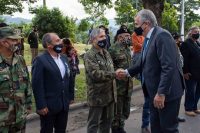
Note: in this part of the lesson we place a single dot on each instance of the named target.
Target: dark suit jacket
(160, 66)
(49, 88)
(191, 55)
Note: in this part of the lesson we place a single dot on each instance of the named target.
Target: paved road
(77, 119)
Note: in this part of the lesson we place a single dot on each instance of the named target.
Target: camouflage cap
(8, 32)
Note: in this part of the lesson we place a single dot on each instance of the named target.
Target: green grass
(80, 85)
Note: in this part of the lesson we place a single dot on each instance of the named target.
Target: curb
(72, 107)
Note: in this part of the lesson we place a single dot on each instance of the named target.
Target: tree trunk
(156, 6)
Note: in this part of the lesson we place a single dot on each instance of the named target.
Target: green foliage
(96, 9)
(170, 18)
(11, 6)
(2, 20)
(84, 25)
(125, 12)
(53, 21)
(196, 24)
(191, 6)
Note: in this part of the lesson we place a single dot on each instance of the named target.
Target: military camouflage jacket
(15, 91)
(121, 56)
(100, 78)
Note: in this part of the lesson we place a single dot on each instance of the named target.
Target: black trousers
(165, 120)
(56, 122)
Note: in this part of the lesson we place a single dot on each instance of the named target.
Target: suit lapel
(149, 43)
(52, 62)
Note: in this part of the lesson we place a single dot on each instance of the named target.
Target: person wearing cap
(15, 88)
(121, 56)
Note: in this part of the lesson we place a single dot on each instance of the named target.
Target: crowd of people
(166, 66)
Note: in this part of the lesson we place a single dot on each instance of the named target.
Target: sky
(70, 8)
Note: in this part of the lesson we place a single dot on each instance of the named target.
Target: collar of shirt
(60, 64)
(149, 33)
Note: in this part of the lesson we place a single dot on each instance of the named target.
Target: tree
(11, 6)
(53, 21)
(156, 6)
(191, 6)
(96, 9)
(170, 18)
(125, 15)
(84, 25)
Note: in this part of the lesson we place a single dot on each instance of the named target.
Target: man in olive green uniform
(15, 92)
(101, 86)
(121, 55)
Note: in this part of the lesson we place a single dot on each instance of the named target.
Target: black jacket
(49, 88)
(33, 40)
(191, 54)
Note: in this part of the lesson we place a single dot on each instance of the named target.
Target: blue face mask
(58, 48)
(102, 43)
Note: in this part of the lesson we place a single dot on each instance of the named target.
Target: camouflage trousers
(16, 128)
(34, 52)
(100, 119)
(122, 111)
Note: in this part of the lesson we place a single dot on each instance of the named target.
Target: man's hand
(120, 73)
(187, 76)
(43, 111)
(159, 101)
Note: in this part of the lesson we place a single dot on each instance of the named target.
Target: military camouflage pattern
(100, 78)
(121, 55)
(15, 92)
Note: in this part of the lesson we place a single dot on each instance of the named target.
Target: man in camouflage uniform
(101, 86)
(121, 55)
(15, 92)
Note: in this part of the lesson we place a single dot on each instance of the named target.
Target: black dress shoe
(180, 119)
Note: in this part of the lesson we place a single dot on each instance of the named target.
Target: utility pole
(136, 4)
(182, 19)
(44, 3)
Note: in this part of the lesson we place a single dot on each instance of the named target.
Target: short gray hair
(190, 31)
(95, 32)
(145, 15)
(46, 39)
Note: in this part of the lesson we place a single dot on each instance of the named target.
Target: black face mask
(102, 43)
(195, 36)
(138, 31)
(58, 48)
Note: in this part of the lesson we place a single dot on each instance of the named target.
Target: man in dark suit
(51, 86)
(190, 50)
(162, 79)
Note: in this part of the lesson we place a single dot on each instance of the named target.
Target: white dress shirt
(60, 65)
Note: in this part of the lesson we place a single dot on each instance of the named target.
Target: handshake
(120, 74)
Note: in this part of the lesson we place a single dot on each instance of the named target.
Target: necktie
(145, 46)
